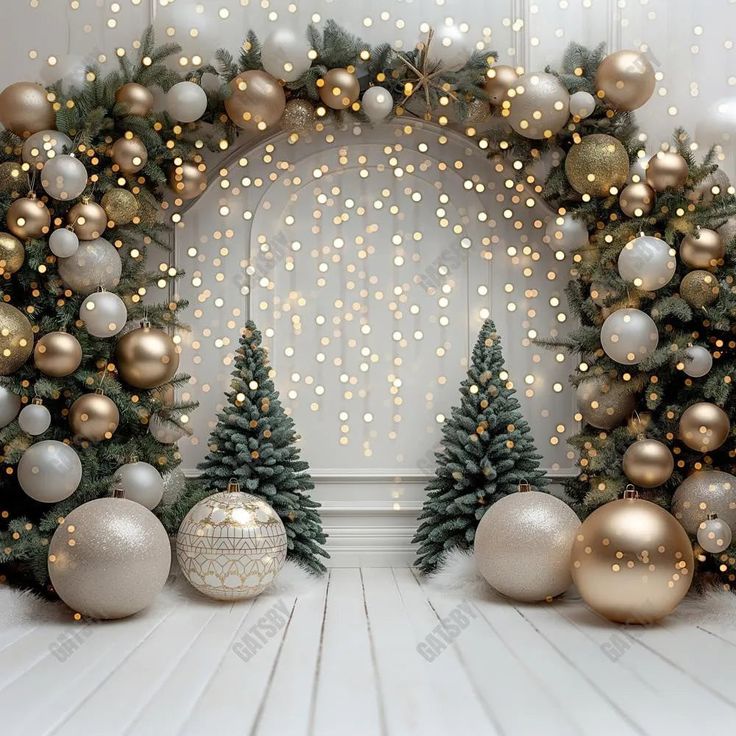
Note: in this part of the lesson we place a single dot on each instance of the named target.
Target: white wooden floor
(343, 659)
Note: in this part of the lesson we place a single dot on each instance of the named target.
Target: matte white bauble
(377, 103)
(714, 535)
(697, 361)
(63, 242)
(64, 177)
(582, 104)
(186, 102)
(628, 336)
(285, 54)
(49, 471)
(141, 483)
(647, 262)
(40, 147)
(450, 48)
(565, 233)
(9, 406)
(34, 419)
(104, 314)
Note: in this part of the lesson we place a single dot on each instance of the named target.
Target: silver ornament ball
(63, 243)
(702, 493)
(64, 177)
(697, 361)
(186, 102)
(104, 314)
(140, 482)
(44, 145)
(647, 262)
(49, 471)
(714, 535)
(9, 406)
(285, 54)
(377, 103)
(34, 419)
(628, 336)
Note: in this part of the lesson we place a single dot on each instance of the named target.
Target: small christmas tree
(255, 442)
(487, 450)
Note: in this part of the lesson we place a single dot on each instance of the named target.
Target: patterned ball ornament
(94, 417)
(49, 471)
(540, 106)
(339, 89)
(110, 558)
(231, 545)
(28, 217)
(88, 219)
(12, 254)
(667, 170)
(597, 164)
(523, 544)
(702, 493)
(628, 336)
(146, 357)
(631, 561)
(704, 249)
(714, 535)
(95, 264)
(16, 339)
(647, 262)
(699, 289)
(637, 199)
(625, 79)
(605, 403)
(129, 153)
(704, 427)
(120, 205)
(57, 354)
(648, 463)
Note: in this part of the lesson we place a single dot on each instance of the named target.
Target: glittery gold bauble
(146, 357)
(539, 107)
(648, 463)
(299, 115)
(129, 153)
(596, 164)
(704, 427)
(13, 180)
(88, 220)
(637, 199)
(256, 100)
(667, 170)
(16, 339)
(699, 289)
(25, 109)
(702, 493)
(57, 354)
(94, 417)
(626, 79)
(340, 89)
(499, 80)
(109, 559)
(231, 545)
(120, 205)
(702, 249)
(134, 99)
(188, 180)
(28, 217)
(477, 111)
(12, 254)
(604, 403)
(632, 562)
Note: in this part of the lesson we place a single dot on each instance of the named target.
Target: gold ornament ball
(12, 254)
(120, 206)
(704, 427)
(539, 107)
(299, 115)
(88, 219)
(699, 289)
(25, 109)
(632, 562)
(188, 180)
(16, 339)
(596, 164)
(339, 89)
(636, 199)
(667, 170)
(604, 403)
(57, 354)
(134, 99)
(648, 463)
(94, 417)
(146, 357)
(129, 153)
(477, 111)
(499, 80)
(13, 180)
(703, 249)
(28, 217)
(626, 79)
(702, 493)
(257, 100)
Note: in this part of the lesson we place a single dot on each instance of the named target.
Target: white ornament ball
(231, 545)
(174, 484)
(104, 314)
(40, 147)
(647, 262)
(186, 102)
(64, 177)
(9, 406)
(628, 336)
(377, 103)
(450, 48)
(714, 535)
(164, 431)
(697, 361)
(565, 233)
(140, 482)
(119, 560)
(63, 242)
(523, 545)
(582, 104)
(96, 263)
(34, 419)
(285, 54)
(540, 106)
(49, 471)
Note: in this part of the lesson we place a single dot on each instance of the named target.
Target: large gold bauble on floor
(13, 180)
(704, 427)
(57, 354)
(667, 170)
(626, 79)
(703, 249)
(256, 100)
(596, 164)
(12, 254)
(540, 106)
(134, 99)
(28, 217)
(120, 206)
(88, 219)
(109, 559)
(632, 562)
(146, 357)
(129, 153)
(94, 417)
(299, 115)
(702, 493)
(604, 403)
(25, 109)
(231, 545)
(499, 80)
(699, 289)
(188, 180)
(648, 463)
(637, 199)
(339, 89)
(16, 339)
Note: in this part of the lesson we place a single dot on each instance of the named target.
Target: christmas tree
(487, 450)
(255, 442)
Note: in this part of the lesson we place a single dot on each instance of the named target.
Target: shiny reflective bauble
(25, 109)
(34, 419)
(16, 339)
(703, 249)
(134, 99)
(697, 361)
(88, 219)
(648, 463)
(146, 357)
(9, 406)
(626, 79)
(647, 262)
(339, 89)
(141, 482)
(704, 427)
(186, 102)
(188, 180)
(12, 254)
(285, 54)
(120, 205)
(104, 314)
(702, 493)
(377, 103)
(539, 107)
(604, 403)
(582, 104)
(714, 535)
(699, 289)
(49, 471)
(64, 177)
(63, 243)
(597, 164)
(667, 170)
(499, 80)
(256, 100)
(57, 354)
(565, 233)
(95, 264)
(628, 336)
(636, 199)
(28, 217)
(40, 147)
(94, 417)
(129, 153)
